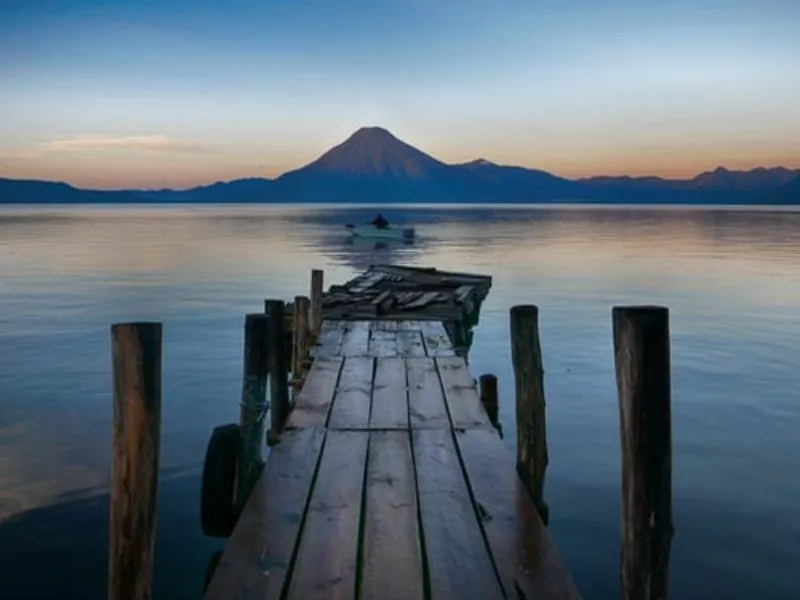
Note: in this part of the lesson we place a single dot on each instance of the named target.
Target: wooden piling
(300, 333)
(276, 366)
(315, 315)
(526, 354)
(488, 390)
(136, 357)
(253, 405)
(642, 362)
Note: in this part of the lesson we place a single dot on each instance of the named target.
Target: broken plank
(389, 395)
(351, 404)
(392, 555)
(461, 394)
(356, 339)
(259, 551)
(409, 343)
(425, 399)
(434, 336)
(382, 343)
(459, 564)
(314, 400)
(423, 300)
(325, 567)
(523, 551)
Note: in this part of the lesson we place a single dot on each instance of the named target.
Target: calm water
(731, 280)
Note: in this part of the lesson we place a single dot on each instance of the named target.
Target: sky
(160, 93)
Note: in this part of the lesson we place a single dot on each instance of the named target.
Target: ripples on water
(730, 278)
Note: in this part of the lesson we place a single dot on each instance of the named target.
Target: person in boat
(380, 222)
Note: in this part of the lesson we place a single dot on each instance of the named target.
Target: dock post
(300, 333)
(253, 405)
(488, 390)
(642, 364)
(315, 315)
(526, 356)
(276, 366)
(136, 357)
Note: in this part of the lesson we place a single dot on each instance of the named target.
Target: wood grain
(642, 363)
(313, 403)
(461, 395)
(259, 552)
(315, 309)
(425, 398)
(136, 441)
(437, 342)
(351, 405)
(526, 356)
(382, 343)
(326, 563)
(277, 365)
(409, 344)
(459, 564)
(392, 557)
(523, 551)
(356, 339)
(389, 395)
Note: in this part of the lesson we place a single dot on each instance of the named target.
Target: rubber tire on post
(217, 510)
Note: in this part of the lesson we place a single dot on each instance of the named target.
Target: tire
(217, 511)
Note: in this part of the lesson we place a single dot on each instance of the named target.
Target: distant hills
(372, 165)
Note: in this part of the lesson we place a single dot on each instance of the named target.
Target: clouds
(134, 143)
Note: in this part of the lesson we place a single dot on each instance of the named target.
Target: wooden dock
(387, 477)
(389, 482)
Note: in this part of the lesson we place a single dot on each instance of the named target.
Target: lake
(731, 278)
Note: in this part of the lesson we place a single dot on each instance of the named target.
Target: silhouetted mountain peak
(477, 163)
(374, 151)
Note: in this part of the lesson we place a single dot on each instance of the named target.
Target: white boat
(377, 233)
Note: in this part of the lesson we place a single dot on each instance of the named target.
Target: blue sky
(154, 93)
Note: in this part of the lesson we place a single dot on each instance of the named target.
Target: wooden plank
(435, 338)
(425, 399)
(389, 395)
(392, 567)
(461, 394)
(385, 325)
(459, 564)
(326, 562)
(409, 343)
(314, 400)
(351, 405)
(523, 551)
(329, 341)
(423, 300)
(356, 339)
(259, 551)
(382, 344)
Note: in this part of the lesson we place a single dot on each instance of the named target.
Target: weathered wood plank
(459, 564)
(356, 339)
(329, 341)
(389, 395)
(425, 398)
(325, 568)
(409, 343)
(382, 343)
(523, 551)
(392, 568)
(314, 400)
(259, 551)
(435, 338)
(461, 395)
(385, 325)
(351, 405)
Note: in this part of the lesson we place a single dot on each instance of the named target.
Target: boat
(377, 233)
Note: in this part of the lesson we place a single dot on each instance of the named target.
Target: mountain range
(372, 165)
